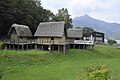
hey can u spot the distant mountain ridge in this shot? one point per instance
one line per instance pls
(111, 30)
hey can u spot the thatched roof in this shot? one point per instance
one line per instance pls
(74, 33)
(50, 29)
(21, 30)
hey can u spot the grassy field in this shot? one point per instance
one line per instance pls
(43, 65)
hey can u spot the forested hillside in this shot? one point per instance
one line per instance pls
(26, 12)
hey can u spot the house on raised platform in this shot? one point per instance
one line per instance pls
(51, 36)
(98, 37)
(76, 39)
(20, 37)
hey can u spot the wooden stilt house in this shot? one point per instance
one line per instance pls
(20, 37)
(75, 39)
(51, 36)
(98, 37)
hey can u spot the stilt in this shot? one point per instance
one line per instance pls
(18, 47)
(9, 46)
(42, 47)
(68, 46)
(79, 46)
(74, 46)
(92, 47)
(64, 49)
(83, 46)
(22, 47)
(49, 48)
(13, 46)
(36, 46)
(27, 46)
(58, 47)
(53, 48)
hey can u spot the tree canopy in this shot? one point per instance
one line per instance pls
(63, 15)
(111, 42)
(87, 29)
(26, 12)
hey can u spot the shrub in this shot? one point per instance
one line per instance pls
(111, 42)
(2, 45)
(95, 72)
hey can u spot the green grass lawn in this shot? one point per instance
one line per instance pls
(43, 65)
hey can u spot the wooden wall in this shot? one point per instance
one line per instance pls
(14, 38)
(48, 40)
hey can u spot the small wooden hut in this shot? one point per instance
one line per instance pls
(51, 36)
(20, 37)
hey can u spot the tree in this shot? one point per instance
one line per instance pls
(111, 42)
(78, 27)
(26, 12)
(63, 15)
(87, 29)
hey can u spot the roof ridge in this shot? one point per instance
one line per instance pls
(16, 25)
(52, 22)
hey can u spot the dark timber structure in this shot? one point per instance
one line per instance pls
(51, 36)
(20, 37)
(76, 39)
(98, 37)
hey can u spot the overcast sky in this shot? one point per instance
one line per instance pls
(107, 10)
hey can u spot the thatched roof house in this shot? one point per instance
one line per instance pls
(50, 31)
(74, 33)
(21, 30)
(19, 34)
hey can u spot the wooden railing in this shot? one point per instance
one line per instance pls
(89, 42)
(20, 41)
(49, 42)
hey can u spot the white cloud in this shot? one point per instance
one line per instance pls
(107, 10)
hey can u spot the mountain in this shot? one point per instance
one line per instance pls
(111, 30)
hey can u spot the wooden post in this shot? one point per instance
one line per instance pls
(58, 47)
(22, 47)
(36, 46)
(92, 47)
(83, 46)
(49, 48)
(27, 46)
(53, 47)
(13, 47)
(74, 46)
(64, 49)
(9, 46)
(22, 43)
(18, 47)
(42, 47)
(68, 46)
(78, 46)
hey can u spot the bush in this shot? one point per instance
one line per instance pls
(95, 72)
(2, 45)
(111, 42)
